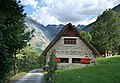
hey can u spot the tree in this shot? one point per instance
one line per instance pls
(106, 32)
(52, 66)
(28, 56)
(4, 61)
(86, 35)
(14, 36)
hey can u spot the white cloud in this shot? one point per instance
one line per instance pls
(32, 3)
(86, 22)
(74, 11)
(43, 17)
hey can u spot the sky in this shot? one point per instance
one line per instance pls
(76, 12)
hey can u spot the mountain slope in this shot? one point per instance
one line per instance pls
(54, 29)
(42, 37)
(89, 27)
(117, 8)
(80, 27)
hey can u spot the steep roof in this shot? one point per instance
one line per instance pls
(62, 32)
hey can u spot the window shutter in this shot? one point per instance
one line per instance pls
(85, 61)
(57, 60)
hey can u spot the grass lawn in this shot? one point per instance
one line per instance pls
(106, 71)
(17, 76)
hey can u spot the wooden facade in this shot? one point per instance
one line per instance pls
(70, 33)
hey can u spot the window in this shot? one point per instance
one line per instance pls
(76, 60)
(69, 41)
(61, 60)
(81, 60)
(64, 60)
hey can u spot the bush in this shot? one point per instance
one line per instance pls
(52, 66)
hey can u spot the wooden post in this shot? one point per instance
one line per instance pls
(14, 65)
(106, 54)
(119, 50)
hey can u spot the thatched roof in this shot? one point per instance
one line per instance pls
(62, 32)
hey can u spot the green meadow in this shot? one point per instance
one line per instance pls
(107, 70)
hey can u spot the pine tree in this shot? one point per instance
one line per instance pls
(13, 34)
(106, 33)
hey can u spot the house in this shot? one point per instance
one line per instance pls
(72, 50)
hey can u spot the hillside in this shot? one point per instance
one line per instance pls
(80, 27)
(54, 29)
(117, 8)
(89, 27)
(42, 36)
(106, 71)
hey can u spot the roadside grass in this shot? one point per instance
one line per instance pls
(17, 76)
(107, 70)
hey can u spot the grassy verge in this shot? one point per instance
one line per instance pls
(106, 71)
(17, 76)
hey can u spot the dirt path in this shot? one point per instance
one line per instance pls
(34, 76)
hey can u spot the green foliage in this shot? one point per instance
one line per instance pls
(86, 35)
(18, 76)
(106, 71)
(29, 59)
(12, 35)
(4, 61)
(106, 32)
(52, 66)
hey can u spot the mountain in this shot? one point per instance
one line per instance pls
(117, 8)
(80, 27)
(42, 36)
(89, 27)
(54, 29)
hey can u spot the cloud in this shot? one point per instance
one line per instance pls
(32, 3)
(86, 22)
(74, 11)
(43, 17)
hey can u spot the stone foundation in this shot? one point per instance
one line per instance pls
(70, 66)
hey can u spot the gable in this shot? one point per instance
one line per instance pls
(72, 50)
(69, 31)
